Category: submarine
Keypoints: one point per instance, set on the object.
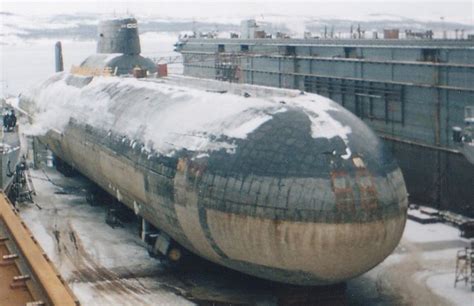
(280, 184)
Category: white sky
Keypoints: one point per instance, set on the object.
(458, 11)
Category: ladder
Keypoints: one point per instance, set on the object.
(465, 266)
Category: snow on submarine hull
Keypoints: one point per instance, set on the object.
(281, 185)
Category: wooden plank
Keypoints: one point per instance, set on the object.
(53, 286)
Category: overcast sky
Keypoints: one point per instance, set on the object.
(460, 11)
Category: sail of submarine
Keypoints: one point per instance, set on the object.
(279, 184)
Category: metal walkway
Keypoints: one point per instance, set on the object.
(27, 277)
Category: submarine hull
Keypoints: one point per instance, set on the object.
(282, 206)
(293, 249)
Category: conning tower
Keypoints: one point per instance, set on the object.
(119, 36)
(118, 48)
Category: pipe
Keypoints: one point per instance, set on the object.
(58, 50)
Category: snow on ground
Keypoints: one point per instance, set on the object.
(422, 268)
(461, 295)
(417, 232)
(102, 265)
(90, 296)
(167, 117)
